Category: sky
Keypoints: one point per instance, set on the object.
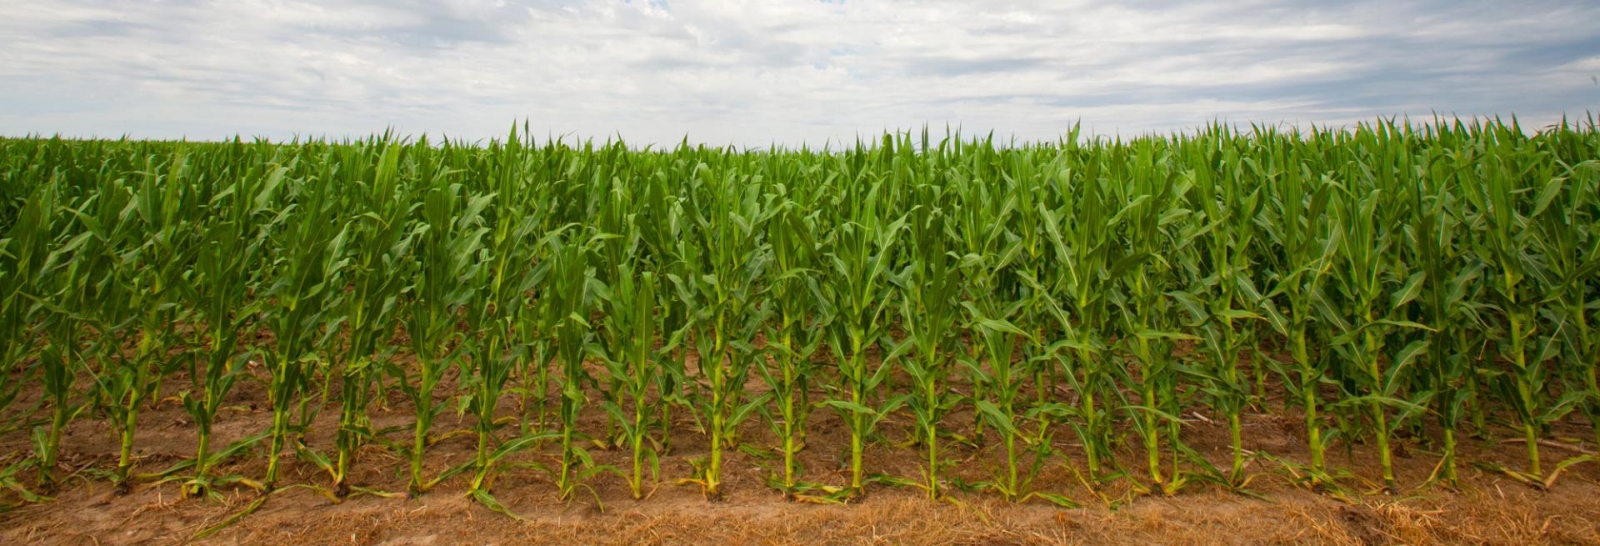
(795, 72)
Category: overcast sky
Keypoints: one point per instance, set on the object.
(753, 73)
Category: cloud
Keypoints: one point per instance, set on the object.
(753, 73)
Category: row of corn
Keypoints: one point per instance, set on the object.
(1393, 282)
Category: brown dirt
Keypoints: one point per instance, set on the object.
(1489, 508)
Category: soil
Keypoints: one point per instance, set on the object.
(1488, 508)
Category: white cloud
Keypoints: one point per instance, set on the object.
(750, 73)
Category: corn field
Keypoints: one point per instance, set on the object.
(1389, 284)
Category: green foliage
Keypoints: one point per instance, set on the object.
(1394, 282)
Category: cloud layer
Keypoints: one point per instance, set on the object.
(756, 72)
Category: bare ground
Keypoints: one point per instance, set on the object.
(1488, 509)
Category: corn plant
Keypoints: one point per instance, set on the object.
(1081, 294)
(567, 299)
(1027, 183)
(989, 319)
(448, 237)
(1156, 228)
(1372, 288)
(858, 290)
(612, 217)
(1230, 211)
(1449, 287)
(1296, 223)
(229, 251)
(1003, 408)
(658, 219)
(794, 336)
(140, 233)
(26, 259)
(369, 307)
(503, 276)
(1507, 229)
(1572, 246)
(309, 251)
(725, 271)
(929, 313)
(980, 218)
(61, 293)
(632, 359)
(102, 304)
(1567, 241)
(1562, 219)
(18, 260)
